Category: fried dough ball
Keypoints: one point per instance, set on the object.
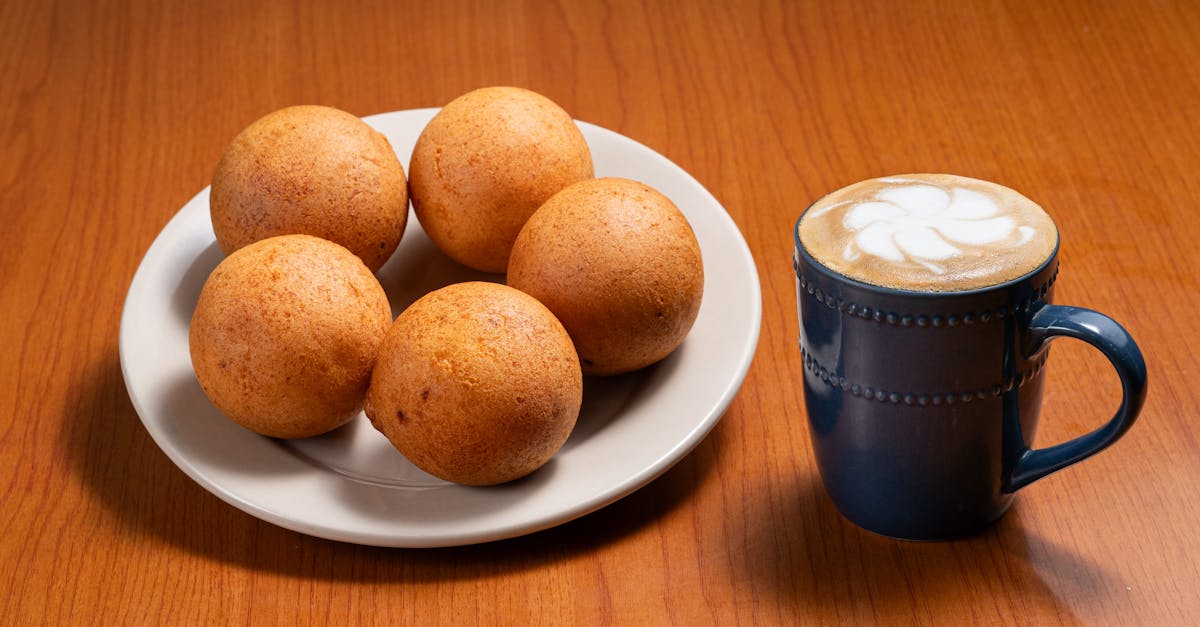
(485, 163)
(285, 335)
(477, 383)
(619, 265)
(312, 170)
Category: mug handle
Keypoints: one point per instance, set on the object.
(1115, 342)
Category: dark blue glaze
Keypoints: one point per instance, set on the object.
(922, 406)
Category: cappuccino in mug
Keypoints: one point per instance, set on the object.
(928, 232)
(926, 310)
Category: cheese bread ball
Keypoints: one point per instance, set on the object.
(312, 170)
(477, 383)
(485, 163)
(285, 335)
(618, 264)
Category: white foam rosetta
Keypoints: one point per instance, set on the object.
(938, 232)
(928, 225)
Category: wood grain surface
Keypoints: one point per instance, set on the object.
(113, 114)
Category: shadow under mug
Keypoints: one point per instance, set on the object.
(922, 406)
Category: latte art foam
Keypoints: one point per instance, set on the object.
(928, 232)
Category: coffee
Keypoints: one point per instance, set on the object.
(928, 232)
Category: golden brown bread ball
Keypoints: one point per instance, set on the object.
(285, 335)
(476, 383)
(620, 267)
(313, 170)
(485, 163)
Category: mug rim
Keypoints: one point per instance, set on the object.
(830, 273)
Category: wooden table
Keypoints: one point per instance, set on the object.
(114, 114)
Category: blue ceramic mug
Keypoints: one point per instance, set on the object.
(923, 404)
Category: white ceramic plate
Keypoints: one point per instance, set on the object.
(351, 485)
